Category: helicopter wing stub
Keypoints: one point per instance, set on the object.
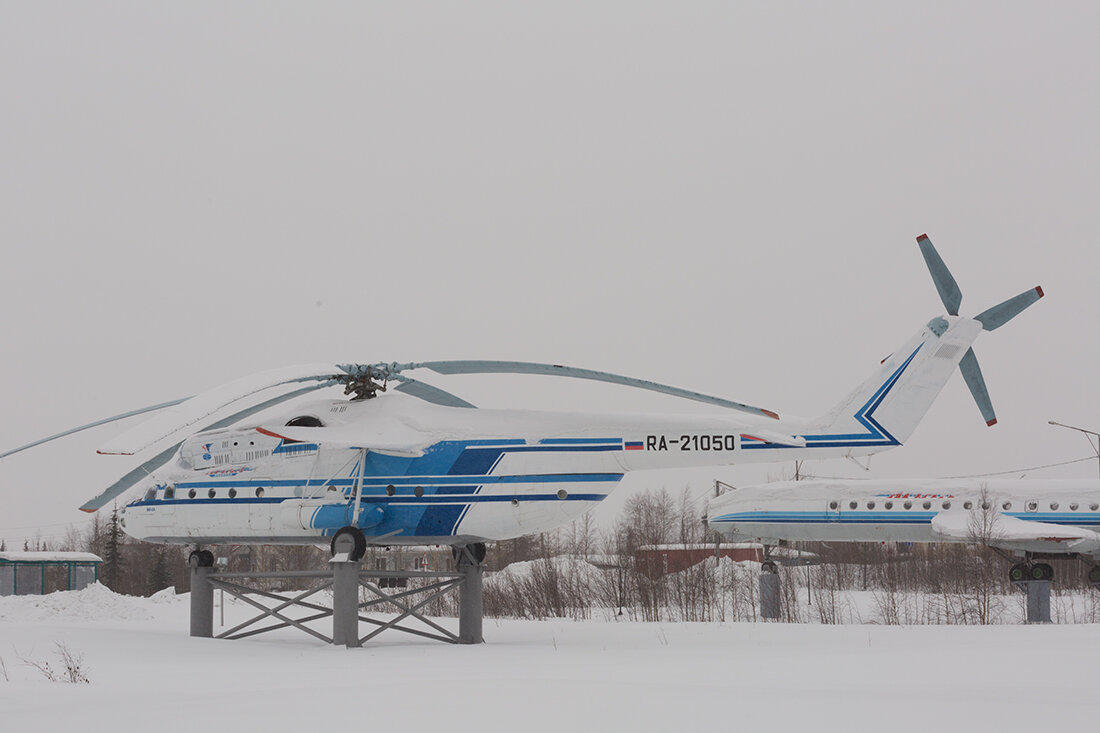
(396, 441)
(1012, 533)
(192, 411)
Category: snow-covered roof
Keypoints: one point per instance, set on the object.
(49, 557)
(710, 546)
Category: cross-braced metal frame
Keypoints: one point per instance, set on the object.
(345, 579)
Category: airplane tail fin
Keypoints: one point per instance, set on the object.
(884, 410)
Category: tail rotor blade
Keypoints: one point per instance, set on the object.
(972, 373)
(941, 276)
(1002, 313)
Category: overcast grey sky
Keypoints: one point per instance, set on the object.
(722, 196)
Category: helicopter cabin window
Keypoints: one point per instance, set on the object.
(191, 494)
(305, 421)
(212, 493)
(259, 492)
(1094, 507)
(232, 493)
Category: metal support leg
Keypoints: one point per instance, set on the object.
(202, 601)
(1038, 600)
(345, 602)
(769, 596)
(469, 598)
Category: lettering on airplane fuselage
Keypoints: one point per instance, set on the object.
(691, 442)
(917, 496)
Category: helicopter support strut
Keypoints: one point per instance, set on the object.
(344, 581)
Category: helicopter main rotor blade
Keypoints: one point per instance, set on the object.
(130, 479)
(941, 276)
(97, 423)
(1002, 313)
(557, 370)
(429, 393)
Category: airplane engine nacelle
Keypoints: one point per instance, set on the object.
(328, 515)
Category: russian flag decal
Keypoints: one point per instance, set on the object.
(632, 445)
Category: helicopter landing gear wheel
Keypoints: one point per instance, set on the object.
(1042, 571)
(351, 541)
(201, 559)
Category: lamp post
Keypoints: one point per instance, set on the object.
(1088, 436)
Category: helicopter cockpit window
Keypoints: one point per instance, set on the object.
(305, 421)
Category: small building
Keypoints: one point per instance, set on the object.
(658, 560)
(38, 573)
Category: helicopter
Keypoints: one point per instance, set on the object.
(398, 460)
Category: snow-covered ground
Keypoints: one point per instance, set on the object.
(146, 673)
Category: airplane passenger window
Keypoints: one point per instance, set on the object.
(1007, 505)
(908, 505)
(853, 504)
(967, 505)
(927, 505)
(1094, 507)
(947, 505)
(833, 505)
(1073, 507)
(870, 505)
(888, 505)
(1054, 506)
(562, 493)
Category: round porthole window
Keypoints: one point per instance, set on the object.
(888, 505)
(908, 505)
(390, 490)
(1054, 506)
(259, 492)
(947, 505)
(1007, 505)
(419, 491)
(191, 494)
(232, 493)
(927, 505)
(833, 505)
(562, 493)
(870, 505)
(853, 504)
(968, 505)
(212, 493)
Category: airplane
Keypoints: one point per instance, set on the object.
(404, 462)
(1032, 519)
